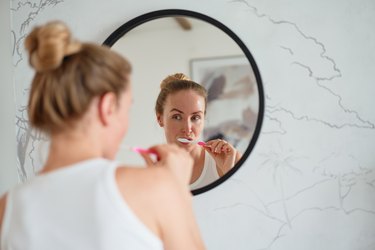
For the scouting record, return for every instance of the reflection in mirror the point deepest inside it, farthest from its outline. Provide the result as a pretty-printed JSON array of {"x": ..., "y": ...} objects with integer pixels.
[
  {"x": 208, "y": 56},
  {"x": 180, "y": 110}
]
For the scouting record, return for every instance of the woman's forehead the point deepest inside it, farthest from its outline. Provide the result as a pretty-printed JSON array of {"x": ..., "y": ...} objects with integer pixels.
[{"x": 185, "y": 100}]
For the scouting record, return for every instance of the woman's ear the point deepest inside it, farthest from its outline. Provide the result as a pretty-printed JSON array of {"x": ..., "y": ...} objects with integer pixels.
[
  {"x": 159, "y": 119},
  {"x": 107, "y": 107}
]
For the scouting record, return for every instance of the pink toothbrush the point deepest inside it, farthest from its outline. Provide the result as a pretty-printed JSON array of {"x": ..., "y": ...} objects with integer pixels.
[{"x": 140, "y": 150}]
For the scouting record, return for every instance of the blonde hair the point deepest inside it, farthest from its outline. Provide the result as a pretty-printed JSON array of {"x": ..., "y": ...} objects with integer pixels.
[
  {"x": 69, "y": 75},
  {"x": 174, "y": 83}
]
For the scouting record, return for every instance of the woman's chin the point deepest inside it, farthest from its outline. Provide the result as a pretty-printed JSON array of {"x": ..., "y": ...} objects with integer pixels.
[
  {"x": 189, "y": 147},
  {"x": 184, "y": 145}
]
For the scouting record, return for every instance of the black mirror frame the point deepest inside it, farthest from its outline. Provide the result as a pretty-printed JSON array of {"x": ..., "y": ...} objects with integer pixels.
[{"x": 123, "y": 29}]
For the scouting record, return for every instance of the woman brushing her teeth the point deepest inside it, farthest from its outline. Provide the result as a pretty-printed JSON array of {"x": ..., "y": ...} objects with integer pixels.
[{"x": 180, "y": 111}]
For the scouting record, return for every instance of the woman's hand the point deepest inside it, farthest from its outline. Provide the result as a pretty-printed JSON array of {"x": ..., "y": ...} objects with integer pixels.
[
  {"x": 224, "y": 154},
  {"x": 174, "y": 158}
]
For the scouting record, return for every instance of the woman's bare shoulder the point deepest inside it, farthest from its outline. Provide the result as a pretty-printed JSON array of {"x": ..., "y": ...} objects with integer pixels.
[
  {"x": 163, "y": 204},
  {"x": 155, "y": 180},
  {"x": 145, "y": 191},
  {"x": 152, "y": 186}
]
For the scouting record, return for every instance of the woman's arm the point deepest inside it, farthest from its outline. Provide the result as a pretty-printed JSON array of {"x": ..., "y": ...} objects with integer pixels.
[
  {"x": 175, "y": 159},
  {"x": 179, "y": 229},
  {"x": 161, "y": 198}
]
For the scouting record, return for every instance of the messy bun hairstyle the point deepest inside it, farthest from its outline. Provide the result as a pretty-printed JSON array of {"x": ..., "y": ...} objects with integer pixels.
[
  {"x": 69, "y": 75},
  {"x": 174, "y": 83}
]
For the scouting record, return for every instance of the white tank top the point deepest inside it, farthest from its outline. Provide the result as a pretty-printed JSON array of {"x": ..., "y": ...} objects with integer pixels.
[
  {"x": 77, "y": 207},
  {"x": 209, "y": 173}
]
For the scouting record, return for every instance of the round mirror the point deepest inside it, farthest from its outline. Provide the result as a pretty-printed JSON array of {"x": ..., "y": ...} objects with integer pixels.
[{"x": 166, "y": 42}]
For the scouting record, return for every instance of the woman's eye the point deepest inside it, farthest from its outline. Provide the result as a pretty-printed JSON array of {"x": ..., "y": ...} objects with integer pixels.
[
  {"x": 176, "y": 117},
  {"x": 196, "y": 118}
]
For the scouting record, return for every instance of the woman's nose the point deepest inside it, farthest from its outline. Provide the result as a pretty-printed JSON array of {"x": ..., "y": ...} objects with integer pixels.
[{"x": 187, "y": 128}]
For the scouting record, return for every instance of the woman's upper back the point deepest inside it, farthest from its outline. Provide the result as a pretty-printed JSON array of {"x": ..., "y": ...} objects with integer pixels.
[{"x": 76, "y": 207}]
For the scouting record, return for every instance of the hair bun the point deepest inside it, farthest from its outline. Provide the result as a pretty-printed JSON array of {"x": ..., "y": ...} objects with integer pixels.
[
  {"x": 47, "y": 46},
  {"x": 171, "y": 78}
]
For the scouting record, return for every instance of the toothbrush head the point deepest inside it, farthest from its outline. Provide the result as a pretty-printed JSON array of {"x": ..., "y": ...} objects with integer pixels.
[{"x": 184, "y": 140}]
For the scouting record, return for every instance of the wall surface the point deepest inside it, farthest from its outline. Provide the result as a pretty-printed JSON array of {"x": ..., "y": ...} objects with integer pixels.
[
  {"x": 8, "y": 170},
  {"x": 310, "y": 181}
]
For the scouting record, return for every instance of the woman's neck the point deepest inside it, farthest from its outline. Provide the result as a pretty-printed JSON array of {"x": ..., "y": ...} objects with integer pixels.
[
  {"x": 68, "y": 148},
  {"x": 198, "y": 154}
]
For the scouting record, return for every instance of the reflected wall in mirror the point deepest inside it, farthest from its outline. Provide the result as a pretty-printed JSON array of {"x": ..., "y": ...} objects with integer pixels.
[{"x": 162, "y": 43}]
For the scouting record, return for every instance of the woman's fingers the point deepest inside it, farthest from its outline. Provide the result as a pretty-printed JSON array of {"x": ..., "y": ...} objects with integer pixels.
[
  {"x": 163, "y": 150},
  {"x": 176, "y": 159},
  {"x": 226, "y": 148},
  {"x": 219, "y": 146},
  {"x": 147, "y": 158}
]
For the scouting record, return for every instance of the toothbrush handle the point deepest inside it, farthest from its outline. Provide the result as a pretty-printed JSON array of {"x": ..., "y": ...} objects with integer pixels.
[{"x": 142, "y": 150}]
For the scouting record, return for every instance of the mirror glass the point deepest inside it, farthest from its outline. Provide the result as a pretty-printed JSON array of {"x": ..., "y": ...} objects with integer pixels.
[{"x": 207, "y": 54}]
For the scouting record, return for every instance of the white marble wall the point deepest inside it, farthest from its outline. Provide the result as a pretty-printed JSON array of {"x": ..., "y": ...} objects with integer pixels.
[
  {"x": 310, "y": 181},
  {"x": 8, "y": 171}
]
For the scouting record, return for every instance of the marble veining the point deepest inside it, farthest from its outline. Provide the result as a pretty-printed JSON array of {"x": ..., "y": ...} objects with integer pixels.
[
  {"x": 24, "y": 14},
  {"x": 320, "y": 79},
  {"x": 29, "y": 10}
]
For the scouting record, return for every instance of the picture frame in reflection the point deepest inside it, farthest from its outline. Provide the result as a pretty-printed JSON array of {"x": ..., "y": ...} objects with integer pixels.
[{"x": 232, "y": 92}]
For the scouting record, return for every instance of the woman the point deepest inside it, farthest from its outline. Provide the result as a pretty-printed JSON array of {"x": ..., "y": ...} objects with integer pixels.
[
  {"x": 82, "y": 199},
  {"x": 180, "y": 110}
]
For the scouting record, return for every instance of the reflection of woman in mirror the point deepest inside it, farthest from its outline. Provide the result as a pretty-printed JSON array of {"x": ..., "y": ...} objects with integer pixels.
[
  {"x": 180, "y": 110},
  {"x": 80, "y": 96}
]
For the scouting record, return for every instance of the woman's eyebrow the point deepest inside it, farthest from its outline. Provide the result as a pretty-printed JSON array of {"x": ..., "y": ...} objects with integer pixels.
[{"x": 177, "y": 110}]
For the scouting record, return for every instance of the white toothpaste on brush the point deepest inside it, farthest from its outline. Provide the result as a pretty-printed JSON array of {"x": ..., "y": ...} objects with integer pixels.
[{"x": 184, "y": 140}]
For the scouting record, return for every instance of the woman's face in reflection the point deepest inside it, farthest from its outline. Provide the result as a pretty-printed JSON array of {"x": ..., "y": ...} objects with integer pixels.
[{"x": 183, "y": 117}]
